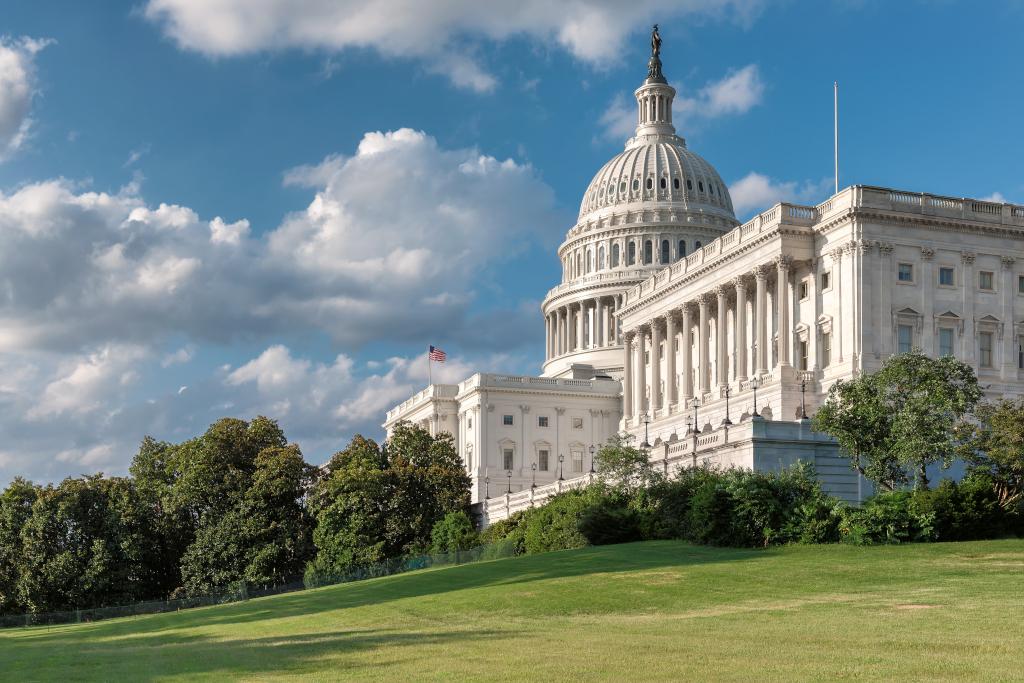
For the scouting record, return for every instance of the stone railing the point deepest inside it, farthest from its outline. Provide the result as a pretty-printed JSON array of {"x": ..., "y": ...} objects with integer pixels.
[
  {"x": 504, "y": 506},
  {"x": 490, "y": 380},
  {"x": 611, "y": 277},
  {"x": 434, "y": 391}
]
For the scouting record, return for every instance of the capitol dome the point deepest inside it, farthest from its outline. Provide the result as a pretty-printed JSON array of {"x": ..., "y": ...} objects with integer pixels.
[{"x": 657, "y": 171}]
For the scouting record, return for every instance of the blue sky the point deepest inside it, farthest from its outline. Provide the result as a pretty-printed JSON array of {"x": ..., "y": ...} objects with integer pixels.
[{"x": 211, "y": 210}]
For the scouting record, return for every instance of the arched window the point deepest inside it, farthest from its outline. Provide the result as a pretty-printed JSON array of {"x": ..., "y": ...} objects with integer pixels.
[
  {"x": 665, "y": 249},
  {"x": 648, "y": 252},
  {"x": 600, "y": 258},
  {"x": 675, "y": 183},
  {"x": 615, "y": 256},
  {"x": 579, "y": 265},
  {"x": 689, "y": 184},
  {"x": 631, "y": 253},
  {"x": 682, "y": 248},
  {"x": 590, "y": 261},
  {"x": 636, "y": 184},
  {"x": 696, "y": 245},
  {"x": 650, "y": 183},
  {"x": 700, "y": 184},
  {"x": 663, "y": 183}
]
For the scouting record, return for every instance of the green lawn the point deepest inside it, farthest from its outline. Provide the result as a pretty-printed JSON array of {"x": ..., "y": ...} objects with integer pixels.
[{"x": 663, "y": 611}]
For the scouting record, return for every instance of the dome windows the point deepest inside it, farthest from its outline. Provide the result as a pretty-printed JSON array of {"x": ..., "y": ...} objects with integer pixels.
[
  {"x": 675, "y": 183},
  {"x": 665, "y": 249},
  {"x": 663, "y": 183},
  {"x": 682, "y": 250},
  {"x": 700, "y": 185},
  {"x": 636, "y": 184},
  {"x": 648, "y": 252},
  {"x": 689, "y": 184},
  {"x": 615, "y": 256},
  {"x": 650, "y": 183},
  {"x": 622, "y": 186}
]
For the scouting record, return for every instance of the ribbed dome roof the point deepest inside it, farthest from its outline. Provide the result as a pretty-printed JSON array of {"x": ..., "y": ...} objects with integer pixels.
[{"x": 659, "y": 172}]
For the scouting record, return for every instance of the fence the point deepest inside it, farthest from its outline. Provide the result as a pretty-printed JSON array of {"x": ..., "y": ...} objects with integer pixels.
[{"x": 242, "y": 591}]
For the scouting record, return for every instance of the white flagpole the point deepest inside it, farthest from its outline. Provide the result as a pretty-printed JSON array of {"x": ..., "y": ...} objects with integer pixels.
[
  {"x": 430, "y": 368},
  {"x": 835, "y": 121}
]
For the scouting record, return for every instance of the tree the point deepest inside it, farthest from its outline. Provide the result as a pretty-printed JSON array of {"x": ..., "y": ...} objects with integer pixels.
[
  {"x": 855, "y": 415},
  {"x": 378, "y": 502},
  {"x": 15, "y": 509},
  {"x": 994, "y": 446},
  {"x": 902, "y": 418},
  {"x": 624, "y": 467},
  {"x": 455, "y": 531},
  {"x": 929, "y": 399}
]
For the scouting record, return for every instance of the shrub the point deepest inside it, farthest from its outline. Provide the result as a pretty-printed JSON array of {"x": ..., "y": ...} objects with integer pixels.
[
  {"x": 964, "y": 511},
  {"x": 610, "y": 521},
  {"x": 887, "y": 518},
  {"x": 555, "y": 526},
  {"x": 454, "y": 531},
  {"x": 509, "y": 531}
]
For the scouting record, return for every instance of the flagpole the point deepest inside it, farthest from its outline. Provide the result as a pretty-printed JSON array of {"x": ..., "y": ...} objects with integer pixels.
[
  {"x": 430, "y": 368},
  {"x": 835, "y": 122}
]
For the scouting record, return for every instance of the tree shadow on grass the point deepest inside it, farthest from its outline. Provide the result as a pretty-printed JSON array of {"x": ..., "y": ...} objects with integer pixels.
[
  {"x": 158, "y": 631},
  {"x": 177, "y": 654}
]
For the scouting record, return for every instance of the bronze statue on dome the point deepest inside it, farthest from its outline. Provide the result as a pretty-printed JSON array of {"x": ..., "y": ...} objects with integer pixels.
[{"x": 655, "y": 42}]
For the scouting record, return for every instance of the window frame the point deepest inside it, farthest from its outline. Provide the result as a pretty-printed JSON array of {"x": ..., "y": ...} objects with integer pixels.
[
  {"x": 991, "y": 337},
  {"x": 542, "y": 421},
  {"x": 952, "y": 341},
  {"x": 826, "y": 281},
  {"x": 899, "y": 273},
  {"x": 899, "y": 342},
  {"x": 508, "y": 420},
  {"x": 577, "y": 423},
  {"x": 938, "y": 280},
  {"x": 992, "y": 280}
]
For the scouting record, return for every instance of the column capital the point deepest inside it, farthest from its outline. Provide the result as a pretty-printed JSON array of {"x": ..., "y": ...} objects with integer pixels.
[
  {"x": 836, "y": 254},
  {"x": 740, "y": 282},
  {"x": 723, "y": 291},
  {"x": 1007, "y": 262},
  {"x": 761, "y": 272},
  {"x": 927, "y": 253},
  {"x": 704, "y": 299},
  {"x": 783, "y": 263},
  {"x": 886, "y": 247},
  {"x": 967, "y": 257}
]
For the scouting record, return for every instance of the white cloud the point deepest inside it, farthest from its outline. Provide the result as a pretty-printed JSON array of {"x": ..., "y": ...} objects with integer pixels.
[
  {"x": 228, "y": 233},
  {"x": 18, "y": 87},
  {"x": 443, "y": 35},
  {"x": 735, "y": 93},
  {"x": 85, "y": 384},
  {"x": 995, "y": 197},
  {"x": 757, "y": 192},
  {"x": 181, "y": 356}
]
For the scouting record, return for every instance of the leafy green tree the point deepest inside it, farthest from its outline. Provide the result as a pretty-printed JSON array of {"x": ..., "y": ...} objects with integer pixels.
[
  {"x": 88, "y": 542},
  {"x": 383, "y": 502},
  {"x": 455, "y": 531},
  {"x": 15, "y": 509},
  {"x": 902, "y": 418},
  {"x": 929, "y": 399},
  {"x": 994, "y": 446},
  {"x": 624, "y": 467},
  {"x": 855, "y": 415}
]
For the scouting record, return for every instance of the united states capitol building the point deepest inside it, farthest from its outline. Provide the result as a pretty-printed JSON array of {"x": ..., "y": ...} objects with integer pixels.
[{"x": 711, "y": 340}]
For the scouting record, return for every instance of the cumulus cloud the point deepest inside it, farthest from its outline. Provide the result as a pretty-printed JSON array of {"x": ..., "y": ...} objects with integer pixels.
[
  {"x": 757, "y": 192},
  {"x": 108, "y": 302},
  {"x": 735, "y": 93},
  {"x": 18, "y": 87},
  {"x": 442, "y": 35}
]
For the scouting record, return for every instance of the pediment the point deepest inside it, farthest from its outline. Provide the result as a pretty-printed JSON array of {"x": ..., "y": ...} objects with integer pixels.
[{"x": 948, "y": 314}]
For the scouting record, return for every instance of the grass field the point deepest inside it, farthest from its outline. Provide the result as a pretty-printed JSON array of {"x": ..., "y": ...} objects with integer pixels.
[{"x": 662, "y": 611}]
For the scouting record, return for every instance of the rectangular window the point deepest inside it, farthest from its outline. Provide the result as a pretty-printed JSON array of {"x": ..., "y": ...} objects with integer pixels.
[
  {"x": 577, "y": 461},
  {"x": 905, "y": 272},
  {"x": 826, "y": 280},
  {"x": 469, "y": 423},
  {"x": 1020, "y": 284},
  {"x": 986, "y": 280},
  {"x": 507, "y": 420},
  {"x": 542, "y": 421},
  {"x": 577, "y": 423},
  {"x": 985, "y": 347},
  {"x": 542, "y": 461},
  {"x": 1020, "y": 356},
  {"x": 804, "y": 290},
  {"x": 945, "y": 341},
  {"x": 803, "y": 355},
  {"x": 946, "y": 276},
  {"x": 507, "y": 458},
  {"x": 905, "y": 339},
  {"x": 826, "y": 349}
]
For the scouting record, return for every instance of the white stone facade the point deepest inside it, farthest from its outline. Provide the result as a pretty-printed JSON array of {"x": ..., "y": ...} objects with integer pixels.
[{"x": 671, "y": 315}]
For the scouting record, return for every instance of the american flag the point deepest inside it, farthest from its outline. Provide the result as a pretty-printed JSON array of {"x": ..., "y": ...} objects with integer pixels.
[{"x": 437, "y": 354}]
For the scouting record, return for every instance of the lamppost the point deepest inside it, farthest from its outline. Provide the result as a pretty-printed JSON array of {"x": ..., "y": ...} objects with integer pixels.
[
  {"x": 646, "y": 419},
  {"x": 561, "y": 459},
  {"x": 696, "y": 422},
  {"x": 726, "y": 421},
  {"x": 487, "y": 487},
  {"x": 509, "y": 473},
  {"x": 689, "y": 426},
  {"x": 534, "y": 468},
  {"x": 754, "y": 382},
  {"x": 803, "y": 404},
  {"x": 591, "y": 458}
]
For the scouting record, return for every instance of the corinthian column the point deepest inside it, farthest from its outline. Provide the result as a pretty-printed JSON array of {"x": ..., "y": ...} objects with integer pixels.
[
  {"x": 722, "y": 352},
  {"x": 627, "y": 380},
  {"x": 782, "y": 264},
  {"x": 741, "y": 328},
  {"x": 641, "y": 371},
  {"x": 670, "y": 361},
  {"x": 655, "y": 366},
  {"x": 703, "y": 301},
  {"x": 687, "y": 356},
  {"x": 580, "y": 318},
  {"x": 761, "y": 320}
]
